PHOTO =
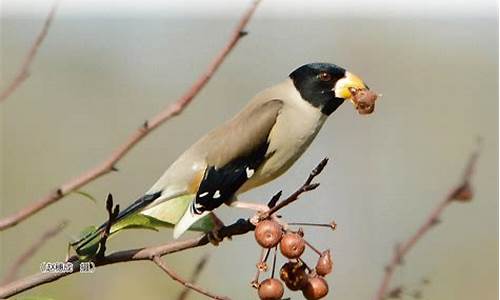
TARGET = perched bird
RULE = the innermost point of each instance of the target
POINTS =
(256, 146)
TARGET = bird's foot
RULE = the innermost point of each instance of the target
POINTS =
(218, 224)
(248, 205)
(259, 208)
(213, 237)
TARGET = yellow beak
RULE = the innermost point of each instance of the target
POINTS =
(344, 85)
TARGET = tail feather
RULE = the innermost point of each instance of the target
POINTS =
(135, 206)
(188, 219)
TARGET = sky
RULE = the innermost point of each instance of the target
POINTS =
(270, 8)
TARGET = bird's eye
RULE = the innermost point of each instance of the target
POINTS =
(324, 76)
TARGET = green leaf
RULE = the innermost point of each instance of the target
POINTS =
(204, 224)
(86, 195)
(139, 221)
(86, 231)
(171, 211)
(90, 249)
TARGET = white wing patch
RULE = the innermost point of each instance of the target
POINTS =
(249, 172)
(198, 206)
(203, 194)
(216, 194)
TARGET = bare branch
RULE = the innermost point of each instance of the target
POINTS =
(112, 215)
(108, 165)
(456, 194)
(307, 186)
(194, 277)
(240, 227)
(159, 262)
(11, 274)
(23, 73)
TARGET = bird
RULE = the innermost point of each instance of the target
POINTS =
(257, 145)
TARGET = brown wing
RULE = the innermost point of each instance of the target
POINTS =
(237, 150)
(244, 134)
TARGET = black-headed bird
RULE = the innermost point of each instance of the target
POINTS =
(257, 145)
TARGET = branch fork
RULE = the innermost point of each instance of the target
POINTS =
(112, 215)
(138, 135)
(154, 254)
(461, 193)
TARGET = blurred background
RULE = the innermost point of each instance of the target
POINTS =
(106, 66)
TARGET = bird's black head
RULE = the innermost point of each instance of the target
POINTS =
(325, 85)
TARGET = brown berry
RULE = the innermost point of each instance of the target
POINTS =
(294, 275)
(271, 289)
(316, 288)
(292, 245)
(268, 233)
(324, 266)
(364, 100)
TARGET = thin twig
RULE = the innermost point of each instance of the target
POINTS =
(274, 199)
(305, 265)
(194, 277)
(108, 165)
(274, 261)
(264, 253)
(24, 72)
(332, 224)
(159, 262)
(307, 186)
(312, 247)
(457, 194)
(112, 214)
(240, 227)
(13, 288)
(11, 274)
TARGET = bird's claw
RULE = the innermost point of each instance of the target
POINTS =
(255, 219)
(258, 217)
(214, 238)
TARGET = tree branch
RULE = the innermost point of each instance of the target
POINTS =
(158, 261)
(112, 215)
(11, 274)
(169, 112)
(461, 193)
(194, 277)
(307, 186)
(240, 227)
(23, 73)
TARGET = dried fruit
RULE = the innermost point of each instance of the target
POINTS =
(271, 289)
(464, 193)
(292, 245)
(324, 266)
(316, 288)
(294, 275)
(364, 100)
(268, 233)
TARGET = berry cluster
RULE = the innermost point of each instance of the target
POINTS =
(295, 273)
